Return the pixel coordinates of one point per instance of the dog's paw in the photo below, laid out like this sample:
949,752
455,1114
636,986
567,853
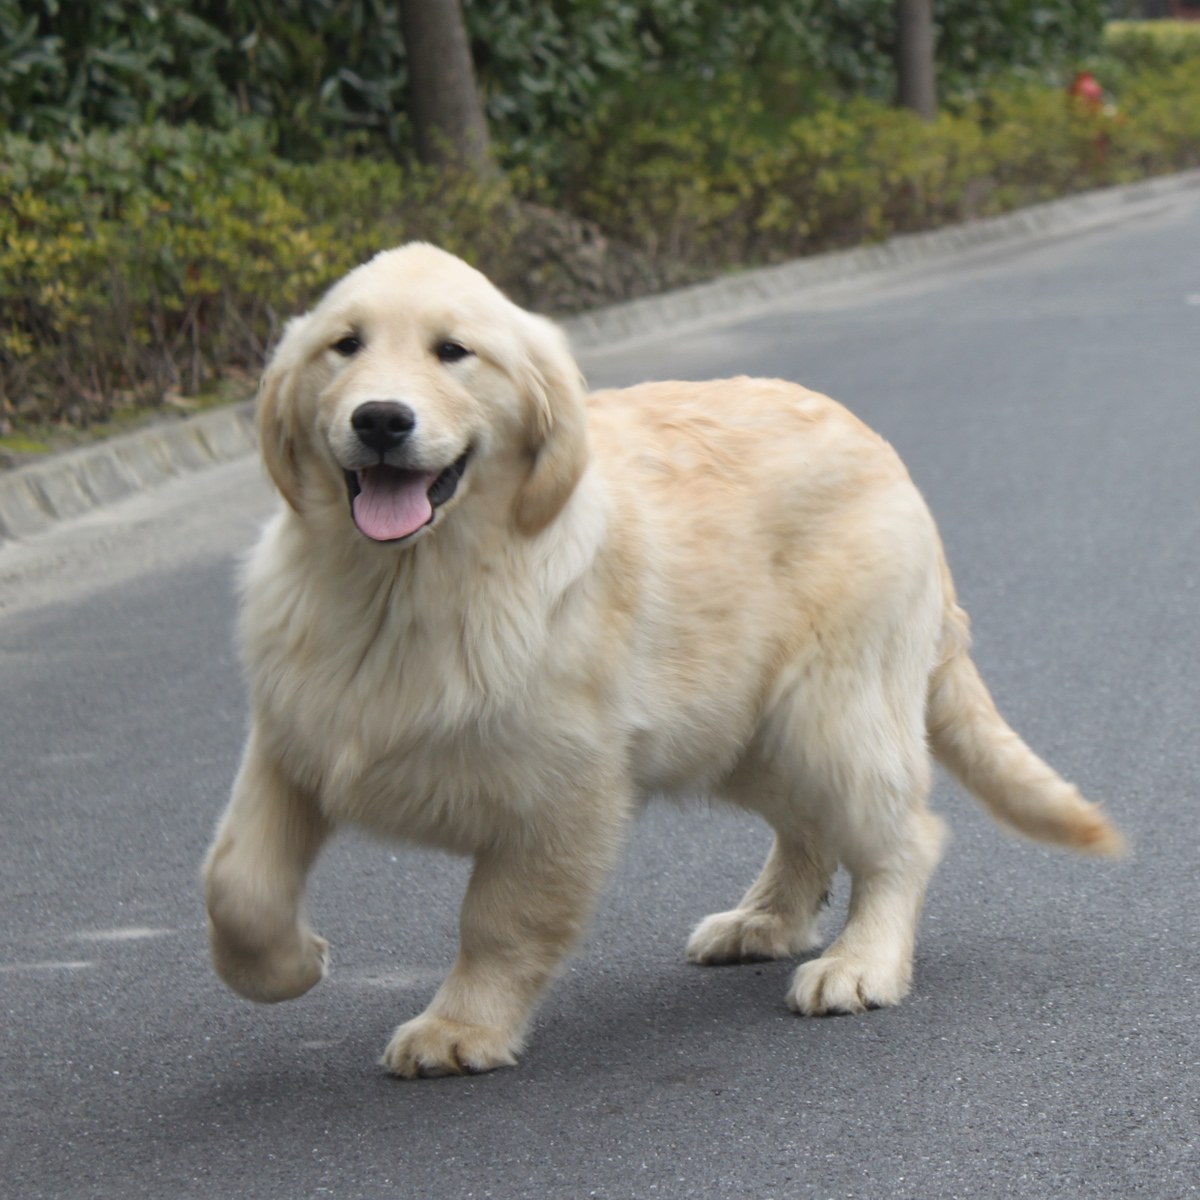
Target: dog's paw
430,1046
281,972
737,937
840,984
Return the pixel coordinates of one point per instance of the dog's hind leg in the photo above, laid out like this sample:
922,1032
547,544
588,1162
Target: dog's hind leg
254,878
868,771
869,965
846,739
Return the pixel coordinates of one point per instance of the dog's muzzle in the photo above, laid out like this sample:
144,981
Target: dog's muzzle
389,503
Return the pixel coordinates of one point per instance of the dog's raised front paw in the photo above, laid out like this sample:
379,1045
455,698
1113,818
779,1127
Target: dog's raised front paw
429,1046
281,972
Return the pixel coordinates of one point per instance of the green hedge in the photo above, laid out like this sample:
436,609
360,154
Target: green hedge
328,75
156,261
1151,45
726,181
1132,49
153,261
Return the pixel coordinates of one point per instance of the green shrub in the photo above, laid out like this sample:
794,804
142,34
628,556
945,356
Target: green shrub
979,42
724,182
108,63
1157,121
314,71
156,260
361,206
1152,45
330,75
153,260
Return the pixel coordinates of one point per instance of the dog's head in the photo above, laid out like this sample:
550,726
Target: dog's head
413,384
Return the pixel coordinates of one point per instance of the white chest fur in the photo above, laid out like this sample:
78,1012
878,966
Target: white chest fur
415,705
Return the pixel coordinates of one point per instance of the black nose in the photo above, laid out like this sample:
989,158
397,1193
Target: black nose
382,425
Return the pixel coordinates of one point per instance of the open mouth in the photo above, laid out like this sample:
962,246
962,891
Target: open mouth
389,504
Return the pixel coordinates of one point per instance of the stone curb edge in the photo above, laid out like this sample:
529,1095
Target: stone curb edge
70,484
36,496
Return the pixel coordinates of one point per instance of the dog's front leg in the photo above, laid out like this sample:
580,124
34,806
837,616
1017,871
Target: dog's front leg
525,906
254,882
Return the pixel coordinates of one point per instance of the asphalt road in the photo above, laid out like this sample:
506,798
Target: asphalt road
1047,399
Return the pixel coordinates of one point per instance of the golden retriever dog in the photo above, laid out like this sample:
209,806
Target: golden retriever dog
496,613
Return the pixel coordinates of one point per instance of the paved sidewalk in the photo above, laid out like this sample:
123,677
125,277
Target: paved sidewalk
35,496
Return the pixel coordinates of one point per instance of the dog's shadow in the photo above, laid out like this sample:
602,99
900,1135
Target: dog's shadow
668,1012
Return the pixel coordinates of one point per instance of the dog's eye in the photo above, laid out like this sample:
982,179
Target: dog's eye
347,346
450,352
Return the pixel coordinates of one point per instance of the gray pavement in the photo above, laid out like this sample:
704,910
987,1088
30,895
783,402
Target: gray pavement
1044,390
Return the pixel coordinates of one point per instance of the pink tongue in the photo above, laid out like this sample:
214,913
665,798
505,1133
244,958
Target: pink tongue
392,503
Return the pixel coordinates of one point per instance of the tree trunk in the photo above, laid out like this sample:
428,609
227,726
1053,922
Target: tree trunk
444,104
915,81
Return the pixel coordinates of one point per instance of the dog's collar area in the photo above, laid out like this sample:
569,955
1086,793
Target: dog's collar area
390,504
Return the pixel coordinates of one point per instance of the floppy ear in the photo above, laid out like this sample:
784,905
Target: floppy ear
278,426
558,441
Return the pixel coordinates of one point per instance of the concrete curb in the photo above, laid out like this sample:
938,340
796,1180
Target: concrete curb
36,496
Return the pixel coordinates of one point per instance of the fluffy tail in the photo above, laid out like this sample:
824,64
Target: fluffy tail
971,739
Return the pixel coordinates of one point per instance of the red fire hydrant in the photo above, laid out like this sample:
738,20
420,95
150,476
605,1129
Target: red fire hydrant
1086,93
1084,87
